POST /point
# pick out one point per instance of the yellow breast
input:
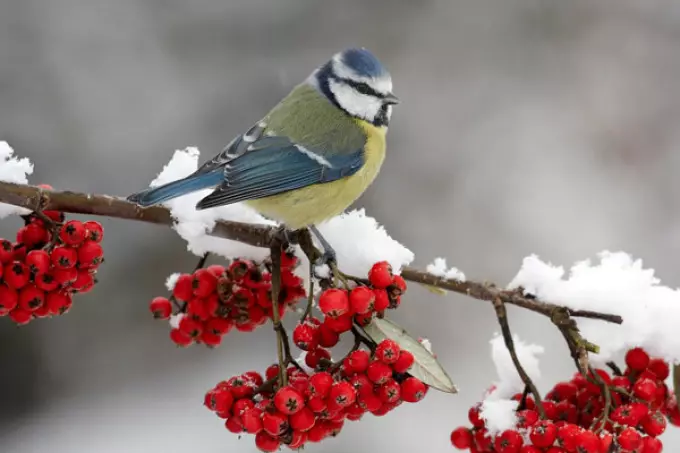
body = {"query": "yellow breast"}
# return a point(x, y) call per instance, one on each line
point(314, 204)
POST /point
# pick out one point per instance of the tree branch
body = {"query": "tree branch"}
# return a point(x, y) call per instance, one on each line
point(35, 198)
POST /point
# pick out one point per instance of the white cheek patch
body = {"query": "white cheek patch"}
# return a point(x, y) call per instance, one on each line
point(356, 104)
point(382, 85)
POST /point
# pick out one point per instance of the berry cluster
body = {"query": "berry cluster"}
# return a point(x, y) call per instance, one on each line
point(600, 414)
point(315, 406)
point(49, 262)
point(213, 300)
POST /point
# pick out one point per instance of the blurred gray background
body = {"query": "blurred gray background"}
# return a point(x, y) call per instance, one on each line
point(526, 126)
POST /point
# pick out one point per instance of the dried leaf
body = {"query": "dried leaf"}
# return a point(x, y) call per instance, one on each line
point(425, 367)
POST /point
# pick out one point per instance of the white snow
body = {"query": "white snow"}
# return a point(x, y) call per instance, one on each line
point(439, 268)
point(498, 409)
point(175, 320)
point(360, 241)
point(193, 225)
point(171, 281)
point(617, 284)
point(357, 238)
point(13, 169)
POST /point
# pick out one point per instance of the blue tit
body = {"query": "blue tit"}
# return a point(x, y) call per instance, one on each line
point(310, 157)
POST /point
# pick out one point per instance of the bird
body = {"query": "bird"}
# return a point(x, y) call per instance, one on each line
point(310, 157)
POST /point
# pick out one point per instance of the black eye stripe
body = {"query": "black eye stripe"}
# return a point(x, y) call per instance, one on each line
point(363, 88)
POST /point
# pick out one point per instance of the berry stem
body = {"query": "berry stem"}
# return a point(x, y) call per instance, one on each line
point(615, 368)
point(595, 377)
point(502, 316)
point(276, 249)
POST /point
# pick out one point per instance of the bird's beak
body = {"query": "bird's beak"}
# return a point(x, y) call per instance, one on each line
point(391, 99)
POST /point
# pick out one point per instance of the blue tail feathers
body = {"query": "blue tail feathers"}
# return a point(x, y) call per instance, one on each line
point(177, 188)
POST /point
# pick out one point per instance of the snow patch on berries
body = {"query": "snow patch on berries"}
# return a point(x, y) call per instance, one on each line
point(13, 169)
point(360, 241)
point(172, 280)
point(439, 268)
point(175, 319)
point(509, 381)
point(192, 225)
point(498, 414)
point(618, 285)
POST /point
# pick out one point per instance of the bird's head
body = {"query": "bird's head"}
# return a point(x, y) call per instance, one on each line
point(355, 81)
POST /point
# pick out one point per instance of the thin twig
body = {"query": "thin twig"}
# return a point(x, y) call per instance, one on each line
point(615, 369)
point(502, 315)
point(30, 197)
point(278, 328)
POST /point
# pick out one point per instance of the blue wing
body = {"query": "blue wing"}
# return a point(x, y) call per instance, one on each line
point(272, 165)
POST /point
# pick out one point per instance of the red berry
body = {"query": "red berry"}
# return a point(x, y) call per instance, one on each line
point(73, 232)
point(90, 255)
point(306, 336)
point(530, 449)
point(16, 275)
point(527, 418)
point(180, 338)
point(9, 298)
point(389, 392)
point(660, 368)
point(234, 424)
point(313, 358)
point(265, 442)
point(629, 439)
point(6, 251)
point(64, 257)
point(219, 400)
point(361, 300)
point(339, 325)
point(94, 231)
point(387, 351)
point(302, 420)
point(58, 302)
point(543, 433)
point(587, 442)
point(342, 393)
point(275, 423)
point(382, 300)
point(327, 337)
point(204, 283)
point(651, 445)
point(358, 361)
point(474, 415)
point(218, 326)
point(398, 286)
point(379, 372)
point(564, 391)
point(637, 359)
point(630, 414)
point(380, 275)
point(84, 282)
point(190, 326)
point(654, 424)
point(64, 277)
point(31, 298)
point(183, 289)
point(334, 303)
point(364, 320)
point(252, 420)
point(33, 235)
point(567, 436)
point(20, 317)
point(288, 400)
point(461, 438)
point(645, 389)
point(161, 308)
point(320, 384)
point(404, 362)
point(413, 390)
point(38, 261)
point(509, 441)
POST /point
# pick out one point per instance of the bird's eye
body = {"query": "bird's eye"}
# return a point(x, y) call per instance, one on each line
point(363, 88)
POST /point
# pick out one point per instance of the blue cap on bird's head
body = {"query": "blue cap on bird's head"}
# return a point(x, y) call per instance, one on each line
point(356, 81)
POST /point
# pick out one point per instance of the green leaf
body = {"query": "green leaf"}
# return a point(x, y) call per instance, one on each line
point(425, 366)
point(676, 381)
